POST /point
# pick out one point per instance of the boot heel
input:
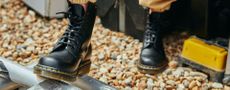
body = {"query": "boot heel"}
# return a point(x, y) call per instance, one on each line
point(85, 68)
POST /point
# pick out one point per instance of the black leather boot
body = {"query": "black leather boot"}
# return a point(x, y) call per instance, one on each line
point(152, 57)
point(70, 57)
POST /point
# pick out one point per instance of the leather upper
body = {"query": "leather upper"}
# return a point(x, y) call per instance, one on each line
point(74, 45)
point(152, 53)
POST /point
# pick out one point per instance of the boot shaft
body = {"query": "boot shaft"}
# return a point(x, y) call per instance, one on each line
point(159, 22)
point(81, 19)
point(157, 25)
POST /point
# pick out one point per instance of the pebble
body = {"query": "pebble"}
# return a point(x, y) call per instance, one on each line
point(180, 87)
point(192, 84)
point(103, 70)
point(103, 79)
point(149, 83)
point(142, 85)
point(205, 87)
point(3, 27)
point(217, 85)
point(162, 84)
point(30, 48)
point(128, 88)
point(195, 88)
point(193, 74)
point(226, 87)
point(128, 80)
point(170, 82)
point(29, 41)
point(114, 56)
point(173, 64)
point(101, 56)
point(179, 71)
point(27, 19)
point(31, 13)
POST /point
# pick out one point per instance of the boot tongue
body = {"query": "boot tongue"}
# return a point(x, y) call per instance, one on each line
point(77, 11)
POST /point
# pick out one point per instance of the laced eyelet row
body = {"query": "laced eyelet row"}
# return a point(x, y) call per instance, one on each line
point(71, 36)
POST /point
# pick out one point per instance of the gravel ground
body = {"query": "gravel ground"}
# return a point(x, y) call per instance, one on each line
point(25, 36)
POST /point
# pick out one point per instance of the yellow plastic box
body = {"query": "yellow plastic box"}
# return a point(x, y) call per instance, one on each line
point(205, 54)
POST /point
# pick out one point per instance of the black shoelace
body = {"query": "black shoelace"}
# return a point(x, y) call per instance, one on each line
point(71, 36)
point(150, 37)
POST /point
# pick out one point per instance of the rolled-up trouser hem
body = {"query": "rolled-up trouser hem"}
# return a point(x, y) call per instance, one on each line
point(157, 5)
point(81, 1)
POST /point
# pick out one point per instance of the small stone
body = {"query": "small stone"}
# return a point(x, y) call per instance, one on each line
point(142, 85)
point(170, 82)
point(128, 80)
point(192, 84)
point(162, 84)
point(140, 75)
point(3, 27)
point(226, 87)
point(193, 74)
point(15, 55)
point(127, 88)
point(168, 71)
point(5, 45)
point(32, 13)
point(173, 64)
point(115, 82)
point(119, 57)
point(169, 87)
point(186, 74)
point(195, 88)
point(28, 19)
point(114, 56)
point(103, 79)
point(119, 76)
point(171, 77)
point(198, 83)
point(6, 54)
point(18, 47)
point(151, 76)
point(101, 56)
point(157, 84)
point(199, 78)
point(30, 48)
point(149, 83)
point(206, 87)
point(27, 60)
point(155, 88)
point(217, 85)
point(179, 71)
point(103, 70)
point(181, 87)
point(29, 41)
point(94, 66)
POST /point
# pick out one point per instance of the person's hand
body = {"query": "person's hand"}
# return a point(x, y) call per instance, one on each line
point(157, 5)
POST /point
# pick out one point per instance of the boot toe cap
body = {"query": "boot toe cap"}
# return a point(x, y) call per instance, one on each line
point(152, 58)
point(49, 61)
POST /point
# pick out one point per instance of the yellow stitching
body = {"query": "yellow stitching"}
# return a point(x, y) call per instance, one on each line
point(149, 67)
point(51, 69)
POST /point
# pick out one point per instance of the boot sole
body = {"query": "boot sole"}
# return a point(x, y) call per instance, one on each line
point(52, 73)
point(151, 70)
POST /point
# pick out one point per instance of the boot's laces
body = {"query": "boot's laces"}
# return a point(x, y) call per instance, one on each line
point(150, 33)
point(71, 36)
point(150, 37)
